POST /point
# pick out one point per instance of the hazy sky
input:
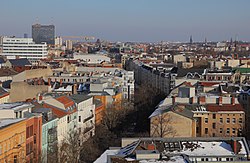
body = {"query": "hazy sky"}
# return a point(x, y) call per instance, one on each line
point(131, 20)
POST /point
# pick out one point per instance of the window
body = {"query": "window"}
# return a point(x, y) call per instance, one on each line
point(221, 120)
point(221, 130)
point(228, 130)
point(240, 120)
point(79, 119)
point(206, 120)
point(197, 130)
point(206, 130)
point(15, 159)
point(31, 130)
point(233, 120)
point(228, 120)
point(214, 125)
point(213, 134)
point(233, 130)
point(214, 116)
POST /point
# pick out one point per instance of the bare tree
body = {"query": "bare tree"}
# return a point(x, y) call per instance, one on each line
point(161, 126)
point(70, 148)
point(112, 117)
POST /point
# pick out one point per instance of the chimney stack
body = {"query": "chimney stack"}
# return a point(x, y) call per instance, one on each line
point(61, 81)
point(233, 100)
point(201, 100)
point(49, 81)
point(173, 100)
point(220, 100)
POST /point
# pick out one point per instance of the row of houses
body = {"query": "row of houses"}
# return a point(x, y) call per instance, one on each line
point(31, 130)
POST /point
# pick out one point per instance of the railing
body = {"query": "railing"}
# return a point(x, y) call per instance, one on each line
point(89, 118)
point(87, 129)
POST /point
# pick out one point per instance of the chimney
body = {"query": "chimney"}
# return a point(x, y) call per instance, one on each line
point(220, 100)
point(235, 149)
point(74, 89)
point(201, 100)
point(61, 81)
point(39, 81)
point(151, 147)
point(173, 100)
point(191, 100)
point(49, 81)
point(233, 100)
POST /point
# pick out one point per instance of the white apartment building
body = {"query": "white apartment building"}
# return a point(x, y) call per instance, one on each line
point(23, 48)
point(69, 44)
point(128, 85)
point(58, 42)
point(86, 114)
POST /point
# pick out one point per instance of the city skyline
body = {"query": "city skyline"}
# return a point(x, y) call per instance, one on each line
point(145, 21)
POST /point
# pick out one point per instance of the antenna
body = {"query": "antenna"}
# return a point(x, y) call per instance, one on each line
point(52, 20)
point(37, 20)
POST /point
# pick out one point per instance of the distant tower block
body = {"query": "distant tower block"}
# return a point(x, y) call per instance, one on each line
point(25, 35)
point(191, 40)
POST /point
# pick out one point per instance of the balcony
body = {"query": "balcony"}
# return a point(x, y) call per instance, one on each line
point(87, 129)
point(89, 118)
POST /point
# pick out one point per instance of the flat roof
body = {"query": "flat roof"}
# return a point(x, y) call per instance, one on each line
point(8, 122)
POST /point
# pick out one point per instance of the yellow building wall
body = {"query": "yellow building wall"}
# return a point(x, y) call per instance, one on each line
point(13, 142)
point(181, 126)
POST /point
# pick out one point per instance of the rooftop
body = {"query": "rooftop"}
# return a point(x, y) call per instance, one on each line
point(15, 106)
point(79, 97)
point(8, 122)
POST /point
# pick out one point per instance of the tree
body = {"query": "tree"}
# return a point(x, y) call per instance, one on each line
point(161, 126)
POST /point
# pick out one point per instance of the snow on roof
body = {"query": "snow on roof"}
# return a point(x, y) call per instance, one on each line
point(15, 106)
point(174, 159)
point(127, 150)
point(159, 111)
point(243, 149)
point(104, 156)
point(6, 122)
point(212, 148)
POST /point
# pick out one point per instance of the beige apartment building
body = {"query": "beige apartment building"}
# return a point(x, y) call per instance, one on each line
point(185, 120)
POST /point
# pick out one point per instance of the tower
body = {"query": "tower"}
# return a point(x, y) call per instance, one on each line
point(191, 40)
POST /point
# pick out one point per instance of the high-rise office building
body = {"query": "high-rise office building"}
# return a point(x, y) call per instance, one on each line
point(43, 33)
point(24, 48)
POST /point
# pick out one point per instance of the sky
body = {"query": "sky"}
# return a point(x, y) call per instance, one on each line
point(131, 20)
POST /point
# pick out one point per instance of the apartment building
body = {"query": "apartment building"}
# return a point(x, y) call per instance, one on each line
point(188, 150)
point(86, 114)
point(13, 140)
point(65, 109)
point(14, 48)
point(33, 124)
point(194, 120)
point(162, 79)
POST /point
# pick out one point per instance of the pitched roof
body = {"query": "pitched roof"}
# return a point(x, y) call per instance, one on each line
point(79, 97)
point(20, 62)
point(183, 72)
point(7, 72)
point(208, 83)
point(2, 60)
point(65, 100)
point(3, 92)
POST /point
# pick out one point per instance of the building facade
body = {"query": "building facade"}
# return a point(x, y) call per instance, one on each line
point(43, 33)
point(12, 140)
point(24, 48)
